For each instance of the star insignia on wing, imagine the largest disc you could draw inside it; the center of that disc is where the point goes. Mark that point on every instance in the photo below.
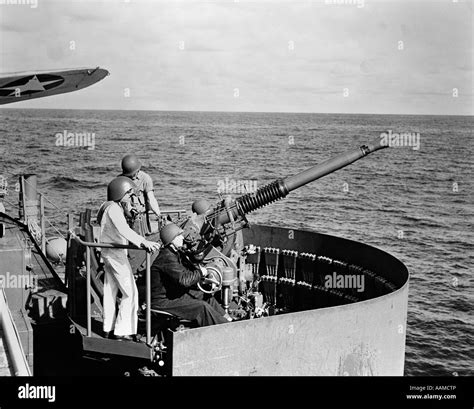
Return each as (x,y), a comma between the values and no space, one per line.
(31,86)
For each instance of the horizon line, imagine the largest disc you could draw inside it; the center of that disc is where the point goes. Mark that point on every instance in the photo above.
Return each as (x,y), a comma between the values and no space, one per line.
(235,112)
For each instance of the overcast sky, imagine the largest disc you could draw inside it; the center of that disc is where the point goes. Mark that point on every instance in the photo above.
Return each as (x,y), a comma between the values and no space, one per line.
(291,56)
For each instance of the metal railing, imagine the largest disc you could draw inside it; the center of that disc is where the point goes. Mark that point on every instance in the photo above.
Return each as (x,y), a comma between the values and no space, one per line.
(88,246)
(15,350)
(178,212)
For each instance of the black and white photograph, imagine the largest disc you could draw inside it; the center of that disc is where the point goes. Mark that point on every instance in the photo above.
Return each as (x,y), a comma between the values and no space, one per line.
(236,203)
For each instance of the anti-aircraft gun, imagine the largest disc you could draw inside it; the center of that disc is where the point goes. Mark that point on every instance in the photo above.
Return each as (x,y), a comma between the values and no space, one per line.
(213,240)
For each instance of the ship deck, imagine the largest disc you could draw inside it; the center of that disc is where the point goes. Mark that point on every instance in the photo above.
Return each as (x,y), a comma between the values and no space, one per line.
(33,291)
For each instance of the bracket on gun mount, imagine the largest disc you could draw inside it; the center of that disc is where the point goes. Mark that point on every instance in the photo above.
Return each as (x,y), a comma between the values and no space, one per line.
(229,216)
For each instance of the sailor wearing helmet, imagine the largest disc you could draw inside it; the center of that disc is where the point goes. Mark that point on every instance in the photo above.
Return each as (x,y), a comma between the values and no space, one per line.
(174,280)
(118,272)
(146,200)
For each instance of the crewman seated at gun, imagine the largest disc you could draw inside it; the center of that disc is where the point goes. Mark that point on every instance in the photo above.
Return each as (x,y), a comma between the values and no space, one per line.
(200,206)
(173,283)
(118,273)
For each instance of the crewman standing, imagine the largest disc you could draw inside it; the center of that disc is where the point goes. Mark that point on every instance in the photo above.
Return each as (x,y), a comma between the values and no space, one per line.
(146,200)
(118,272)
(173,283)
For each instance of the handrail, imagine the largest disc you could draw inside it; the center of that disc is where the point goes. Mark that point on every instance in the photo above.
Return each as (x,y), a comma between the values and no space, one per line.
(163,212)
(12,338)
(88,245)
(169,211)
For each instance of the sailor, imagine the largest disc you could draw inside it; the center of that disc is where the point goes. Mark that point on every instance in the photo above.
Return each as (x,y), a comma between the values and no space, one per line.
(200,206)
(145,196)
(173,283)
(118,273)
(196,221)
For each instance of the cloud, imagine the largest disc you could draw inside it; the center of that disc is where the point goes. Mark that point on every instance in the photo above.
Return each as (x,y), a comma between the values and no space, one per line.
(280,55)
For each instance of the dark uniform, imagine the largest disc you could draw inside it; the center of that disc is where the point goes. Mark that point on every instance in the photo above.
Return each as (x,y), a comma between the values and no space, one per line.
(173,281)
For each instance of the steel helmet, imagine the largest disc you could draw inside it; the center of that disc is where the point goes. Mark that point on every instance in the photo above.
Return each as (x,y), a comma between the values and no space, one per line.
(169,232)
(200,206)
(130,165)
(117,189)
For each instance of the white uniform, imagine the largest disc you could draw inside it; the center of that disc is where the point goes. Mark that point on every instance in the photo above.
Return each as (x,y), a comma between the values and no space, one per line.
(118,273)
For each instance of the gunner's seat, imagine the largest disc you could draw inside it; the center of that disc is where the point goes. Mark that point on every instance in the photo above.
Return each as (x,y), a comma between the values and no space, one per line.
(162,320)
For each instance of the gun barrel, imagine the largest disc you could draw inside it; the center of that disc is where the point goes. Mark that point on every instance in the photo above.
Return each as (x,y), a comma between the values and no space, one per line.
(331,165)
(281,187)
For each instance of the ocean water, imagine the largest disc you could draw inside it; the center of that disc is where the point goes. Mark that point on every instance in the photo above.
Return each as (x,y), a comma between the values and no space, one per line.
(417,204)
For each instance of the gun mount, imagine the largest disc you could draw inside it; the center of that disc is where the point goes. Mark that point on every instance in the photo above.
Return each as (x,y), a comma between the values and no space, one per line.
(211,238)
(255,273)
(229,216)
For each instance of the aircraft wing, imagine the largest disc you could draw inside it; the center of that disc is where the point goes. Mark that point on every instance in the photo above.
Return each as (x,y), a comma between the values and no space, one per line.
(23,86)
